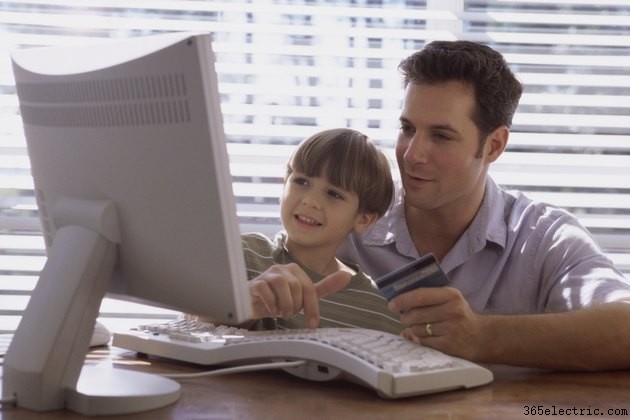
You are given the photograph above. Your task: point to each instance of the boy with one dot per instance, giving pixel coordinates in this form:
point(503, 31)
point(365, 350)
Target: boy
point(337, 182)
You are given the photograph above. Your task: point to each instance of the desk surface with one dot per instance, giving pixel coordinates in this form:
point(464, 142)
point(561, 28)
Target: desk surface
point(515, 393)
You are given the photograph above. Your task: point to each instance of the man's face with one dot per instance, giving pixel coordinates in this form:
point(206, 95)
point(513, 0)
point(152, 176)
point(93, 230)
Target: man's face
point(437, 147)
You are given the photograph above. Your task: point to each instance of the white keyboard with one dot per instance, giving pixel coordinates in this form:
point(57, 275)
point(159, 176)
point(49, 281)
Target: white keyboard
point(389, 364)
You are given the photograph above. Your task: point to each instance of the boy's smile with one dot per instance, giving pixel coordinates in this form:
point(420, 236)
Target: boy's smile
point(306, 221)
point(316, 215)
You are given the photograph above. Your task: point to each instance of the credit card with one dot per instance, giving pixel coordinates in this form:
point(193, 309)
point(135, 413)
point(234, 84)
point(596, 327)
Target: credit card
point(423, 272)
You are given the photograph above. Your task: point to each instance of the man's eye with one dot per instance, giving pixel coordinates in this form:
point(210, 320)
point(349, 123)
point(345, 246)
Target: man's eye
point(405, 128)
point(441, 136)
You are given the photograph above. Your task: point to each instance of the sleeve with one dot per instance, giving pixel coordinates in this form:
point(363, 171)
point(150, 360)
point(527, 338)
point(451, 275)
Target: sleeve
point(258, 253)
point(576, 273)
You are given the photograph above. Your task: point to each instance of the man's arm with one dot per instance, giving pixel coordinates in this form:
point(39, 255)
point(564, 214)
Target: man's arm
point(596, 338)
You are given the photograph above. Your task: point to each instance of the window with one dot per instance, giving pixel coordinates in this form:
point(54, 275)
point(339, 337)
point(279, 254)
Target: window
point(288, 68)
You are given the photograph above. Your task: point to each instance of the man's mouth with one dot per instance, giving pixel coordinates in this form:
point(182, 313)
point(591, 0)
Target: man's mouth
point(417, 178)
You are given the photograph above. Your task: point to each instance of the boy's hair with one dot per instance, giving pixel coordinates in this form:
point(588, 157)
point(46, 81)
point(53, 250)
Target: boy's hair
point(349, 160)
point(496, 89)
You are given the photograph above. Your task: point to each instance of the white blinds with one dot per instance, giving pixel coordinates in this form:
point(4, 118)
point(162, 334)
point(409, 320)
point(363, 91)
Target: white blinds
point(289, 68)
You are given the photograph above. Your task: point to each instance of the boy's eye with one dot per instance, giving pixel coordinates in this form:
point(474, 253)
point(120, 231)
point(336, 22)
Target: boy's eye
point(300, 181)
point(335, 194)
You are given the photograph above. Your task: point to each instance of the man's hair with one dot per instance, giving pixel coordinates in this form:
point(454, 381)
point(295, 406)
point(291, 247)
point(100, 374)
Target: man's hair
point(349, 160)
point(496, 89)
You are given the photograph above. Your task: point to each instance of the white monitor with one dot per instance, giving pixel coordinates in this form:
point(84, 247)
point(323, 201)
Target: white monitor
point(132, 182)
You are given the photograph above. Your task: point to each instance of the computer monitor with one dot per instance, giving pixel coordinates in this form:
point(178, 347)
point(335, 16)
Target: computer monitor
point(133, 186)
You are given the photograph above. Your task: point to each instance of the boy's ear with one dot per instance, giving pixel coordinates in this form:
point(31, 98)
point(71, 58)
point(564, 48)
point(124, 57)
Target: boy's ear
point(364, 221)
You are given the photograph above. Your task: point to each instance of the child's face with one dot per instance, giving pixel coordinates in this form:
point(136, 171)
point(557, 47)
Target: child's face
point(314, 212)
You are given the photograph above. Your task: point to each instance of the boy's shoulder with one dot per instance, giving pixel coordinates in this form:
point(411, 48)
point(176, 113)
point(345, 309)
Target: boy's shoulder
point(255, 237)
point(258, 251)
point(258, 243)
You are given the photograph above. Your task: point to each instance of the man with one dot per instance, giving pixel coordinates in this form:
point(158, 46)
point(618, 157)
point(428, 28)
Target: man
point(528, 284)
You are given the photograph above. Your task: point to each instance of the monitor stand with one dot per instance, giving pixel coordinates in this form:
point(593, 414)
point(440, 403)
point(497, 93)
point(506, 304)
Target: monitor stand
point(43, 367)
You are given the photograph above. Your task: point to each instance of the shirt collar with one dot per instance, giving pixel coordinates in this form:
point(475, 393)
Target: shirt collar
point(392, 228)
point(489, 224)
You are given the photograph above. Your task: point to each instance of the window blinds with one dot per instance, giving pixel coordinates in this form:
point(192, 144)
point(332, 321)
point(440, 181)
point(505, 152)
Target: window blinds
point(290, 68)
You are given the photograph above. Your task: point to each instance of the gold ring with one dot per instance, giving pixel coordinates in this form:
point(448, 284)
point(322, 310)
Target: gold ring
point(428, 329)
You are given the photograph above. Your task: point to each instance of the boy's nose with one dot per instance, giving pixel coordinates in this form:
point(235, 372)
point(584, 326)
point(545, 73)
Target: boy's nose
point(310, 200)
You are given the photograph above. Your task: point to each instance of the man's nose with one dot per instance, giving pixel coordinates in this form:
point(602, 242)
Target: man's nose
point(417, 149)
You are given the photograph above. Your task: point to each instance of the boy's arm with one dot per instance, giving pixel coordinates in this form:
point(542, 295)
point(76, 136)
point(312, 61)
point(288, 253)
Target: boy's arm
point(285, 290)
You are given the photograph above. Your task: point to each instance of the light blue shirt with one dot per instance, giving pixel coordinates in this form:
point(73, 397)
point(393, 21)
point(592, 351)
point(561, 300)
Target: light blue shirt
point(517, 256)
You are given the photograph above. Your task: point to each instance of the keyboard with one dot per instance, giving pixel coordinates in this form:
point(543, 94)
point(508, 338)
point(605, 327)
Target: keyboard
point(391, 365)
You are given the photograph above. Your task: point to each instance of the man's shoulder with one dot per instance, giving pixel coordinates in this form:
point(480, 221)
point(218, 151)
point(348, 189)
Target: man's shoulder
point(542, 227)
point(525, 211)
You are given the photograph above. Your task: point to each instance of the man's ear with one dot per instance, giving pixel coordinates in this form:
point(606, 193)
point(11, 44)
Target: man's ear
point(496, 143)
point(364, 221)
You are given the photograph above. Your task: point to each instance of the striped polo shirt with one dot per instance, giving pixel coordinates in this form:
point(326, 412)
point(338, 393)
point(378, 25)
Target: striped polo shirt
point(358, 305)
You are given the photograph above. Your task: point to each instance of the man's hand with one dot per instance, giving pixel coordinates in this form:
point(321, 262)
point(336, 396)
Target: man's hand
point(440, 318)
point(285, 290)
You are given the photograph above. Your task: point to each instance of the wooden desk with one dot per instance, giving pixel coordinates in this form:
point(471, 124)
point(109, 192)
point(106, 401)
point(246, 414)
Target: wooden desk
point(277, 395)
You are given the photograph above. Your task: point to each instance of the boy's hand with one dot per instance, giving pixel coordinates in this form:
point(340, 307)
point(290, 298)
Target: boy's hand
point(285, 290)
